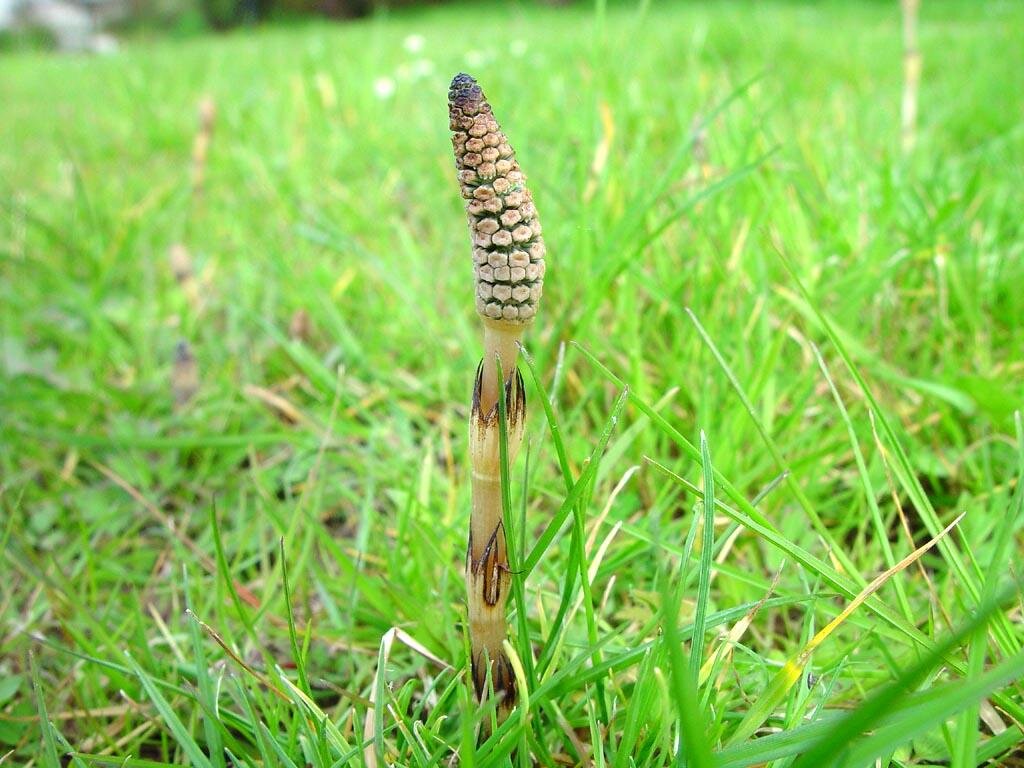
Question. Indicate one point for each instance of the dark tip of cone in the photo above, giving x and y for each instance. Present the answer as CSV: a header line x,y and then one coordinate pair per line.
x,y
463,90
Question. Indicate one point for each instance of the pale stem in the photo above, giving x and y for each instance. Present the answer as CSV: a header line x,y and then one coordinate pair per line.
x,y
499,341
487,571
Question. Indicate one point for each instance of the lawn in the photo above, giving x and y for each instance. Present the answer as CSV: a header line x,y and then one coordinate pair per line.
x,y
783,354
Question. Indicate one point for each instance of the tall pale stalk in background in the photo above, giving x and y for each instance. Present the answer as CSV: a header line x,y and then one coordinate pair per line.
x,y
508,264
911,75
201,143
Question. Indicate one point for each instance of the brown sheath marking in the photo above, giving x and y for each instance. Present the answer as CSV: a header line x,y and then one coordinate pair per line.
x,y
489,565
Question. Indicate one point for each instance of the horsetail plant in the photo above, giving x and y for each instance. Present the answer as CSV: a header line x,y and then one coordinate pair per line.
x,y
508,264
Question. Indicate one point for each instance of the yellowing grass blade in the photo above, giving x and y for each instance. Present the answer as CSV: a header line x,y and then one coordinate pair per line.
x,y
522,689
790,673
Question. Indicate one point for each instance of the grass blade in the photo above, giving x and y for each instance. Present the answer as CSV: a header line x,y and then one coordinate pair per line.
x,y
49,755
706,560
178,730
207,689
297,656
692,728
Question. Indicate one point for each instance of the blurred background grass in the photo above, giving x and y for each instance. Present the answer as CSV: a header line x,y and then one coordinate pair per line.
x,y
324,299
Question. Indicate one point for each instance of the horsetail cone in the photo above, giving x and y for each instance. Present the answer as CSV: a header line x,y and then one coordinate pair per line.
x,y
508,250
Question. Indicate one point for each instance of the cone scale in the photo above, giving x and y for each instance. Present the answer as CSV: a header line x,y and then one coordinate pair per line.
x,y
508,269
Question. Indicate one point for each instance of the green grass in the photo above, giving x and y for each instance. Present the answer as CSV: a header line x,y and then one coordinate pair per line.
x,y
784,327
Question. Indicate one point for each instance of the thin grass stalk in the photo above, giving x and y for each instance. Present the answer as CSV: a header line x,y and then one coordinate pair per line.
x,y
508,266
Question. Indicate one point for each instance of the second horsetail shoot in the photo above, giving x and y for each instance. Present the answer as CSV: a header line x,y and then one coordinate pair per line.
x,y
508,266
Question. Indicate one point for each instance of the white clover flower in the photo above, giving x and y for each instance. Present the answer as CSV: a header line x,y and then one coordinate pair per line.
x,y
414,43
384,87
